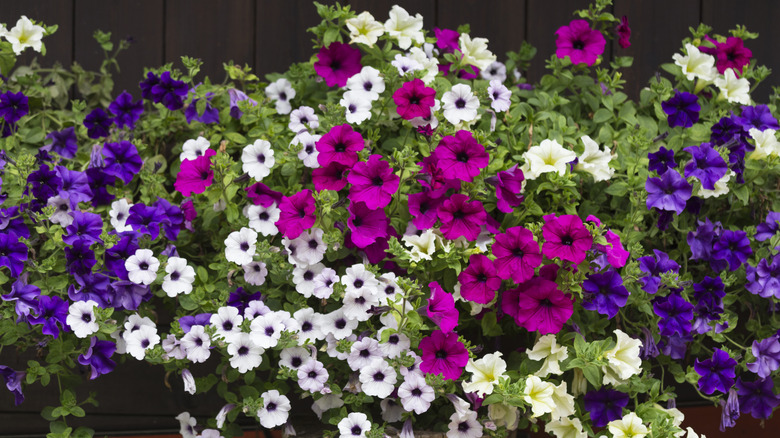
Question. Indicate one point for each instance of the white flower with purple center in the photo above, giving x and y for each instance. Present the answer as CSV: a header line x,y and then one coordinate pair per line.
x,y
81,318
357,107
303,119
312,376
255,273
62,211
142,267
357,280
180,277
240,246
303,278
196,344
227,323
193,149
309,247
309,325
294,357
358,303
256,308
465,426
187,425
326,403
356,424
282,92
499,96
245,355
308,153
172,348
368,82
391,410
323,283
275,410
460,104
495,71
378,378
120,211
405,65
415,394
189,382
267,329
396,344
332,343
388,288
258,159
363,352
138,341
263,219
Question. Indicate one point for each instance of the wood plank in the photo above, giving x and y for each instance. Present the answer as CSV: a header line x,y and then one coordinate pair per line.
x,y
651,47
59,46
141,20
759,16
542,21
281,38
501,22
215,32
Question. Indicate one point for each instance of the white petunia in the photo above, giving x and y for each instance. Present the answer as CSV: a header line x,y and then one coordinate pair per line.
x,y
766,143
405,64
721,187
282,92
62,211
546,349
460,104
258,159
388,288
404,28
499,95
196,343
548,156
539,394
227,322
263,219
275,410
267,329
187,425
378,378
475,51
323,283
189,381
464,426
240,246
504,415
364,29
303,278
294,357
309,325
256,308
245,354
142,267
396,344
565,428
630,426
623,359
421,247
120,211
309,247
486,372
357,107
255,273
363,352
338,325
81,318
495,71
357,279
733,89
564,402
391,410
303,119
138,341
595,161
180,277
369,82
696,64
415,393
25,34
193,149
429,64
172,348
312,376
308,153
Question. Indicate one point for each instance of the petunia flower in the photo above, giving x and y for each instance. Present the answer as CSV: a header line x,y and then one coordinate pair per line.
x,y
337,63
629,426
170,92
767,357
717,373
475,51
52,314
758,397
13,106
538,305
460,156
297,214
548,156
696,64
604,293
414,99
364,29
566,238
538,394
25,34
195,176
733,89
63,143
624,32
682,109
281,92
235,97
373,182
340,145
479,282
460,104
579,42
676,314
98,357
367,225
258,159
517,254
97,123
122,160
444,354
594,161
441,308
669,192
125,111
729,54
461,217
404,27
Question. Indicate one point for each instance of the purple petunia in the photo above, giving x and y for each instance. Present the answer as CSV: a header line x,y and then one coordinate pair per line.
x,y
479,282
441,308
127,295
676,314
366,225
45,183
13,253
767,354
508,184
90,286
767,229
52,313
604,293
63,143
759,117
682,109
654,267
146,219
235,97
147,84
373,182
605,405
423,208
122,160
734,247
662,160
98,357
210,113
566,237
706,164
126,112
764,279
297,214
517,254
99,181
460,156
702,240
85,226
758,398
13,381
80,258
25,295
579,42
337,63
75,185
170,92
13,106
717,373
461,217
97,123
669,192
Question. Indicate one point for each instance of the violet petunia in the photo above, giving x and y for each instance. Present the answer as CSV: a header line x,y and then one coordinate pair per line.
x,y
13,253
682,109
767,354
517,254
767,229
676,314
24,295
579,42
125,111
195,176
122,160
170,92
604,293
235,97
661,161
51,314
63,143
758,397
85,226
605,405
509,185
706,164
734,247
538,305
80,257
13,381
669,192
717,373
341,144
13,106
98,123
414,100
98,357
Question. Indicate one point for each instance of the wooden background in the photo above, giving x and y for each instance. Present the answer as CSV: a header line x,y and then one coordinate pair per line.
x,y
269,35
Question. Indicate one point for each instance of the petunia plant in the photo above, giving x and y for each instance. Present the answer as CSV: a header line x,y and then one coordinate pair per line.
x,y
400,234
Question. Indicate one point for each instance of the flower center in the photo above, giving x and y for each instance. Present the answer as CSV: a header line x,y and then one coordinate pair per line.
x,y
379,376
340,147
365,353
368,86
462,156
464,427
308,275
416,392
174,276
306,326
312,374
358,283
352,108
86,317
261,158
271,407
243,351
227,326
441,354
341,323
244,246
567,240
577,45
269,331
356,430
296,362
143,266
460,103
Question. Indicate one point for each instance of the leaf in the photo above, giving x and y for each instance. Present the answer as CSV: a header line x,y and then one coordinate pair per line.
x,y
593,374
236,138
490,325
619,188
602,115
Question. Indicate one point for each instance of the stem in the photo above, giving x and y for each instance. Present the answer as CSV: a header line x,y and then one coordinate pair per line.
x,y
735,343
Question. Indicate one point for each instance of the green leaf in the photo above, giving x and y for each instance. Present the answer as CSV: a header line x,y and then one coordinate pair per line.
x,y
236,138
742,193
619,188
203,274
593,374
490,326
602,115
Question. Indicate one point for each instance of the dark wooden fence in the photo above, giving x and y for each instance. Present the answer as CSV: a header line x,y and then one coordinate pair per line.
x,y
270,34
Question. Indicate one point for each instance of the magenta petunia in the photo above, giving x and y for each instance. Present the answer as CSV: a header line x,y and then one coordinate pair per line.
x,y
566,238
297,214
423,207
377,251
331,177
195,175
414,99
460,156
461,217
441,308
730,54
479,281
538,305
517,254
509,185
443,353
579,42
373,182
367,225
261,194
337,63
432,178
617,256
341,145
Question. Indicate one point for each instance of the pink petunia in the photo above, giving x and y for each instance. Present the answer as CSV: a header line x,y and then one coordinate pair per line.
x,y
479,281
337,63
261,194
373,182
367,225
461,217
195,175
517,254
566,238
443,353
579,42
423,207
538,305
331,177
460,156
508,184
297,214
341,145
441,308
414,99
